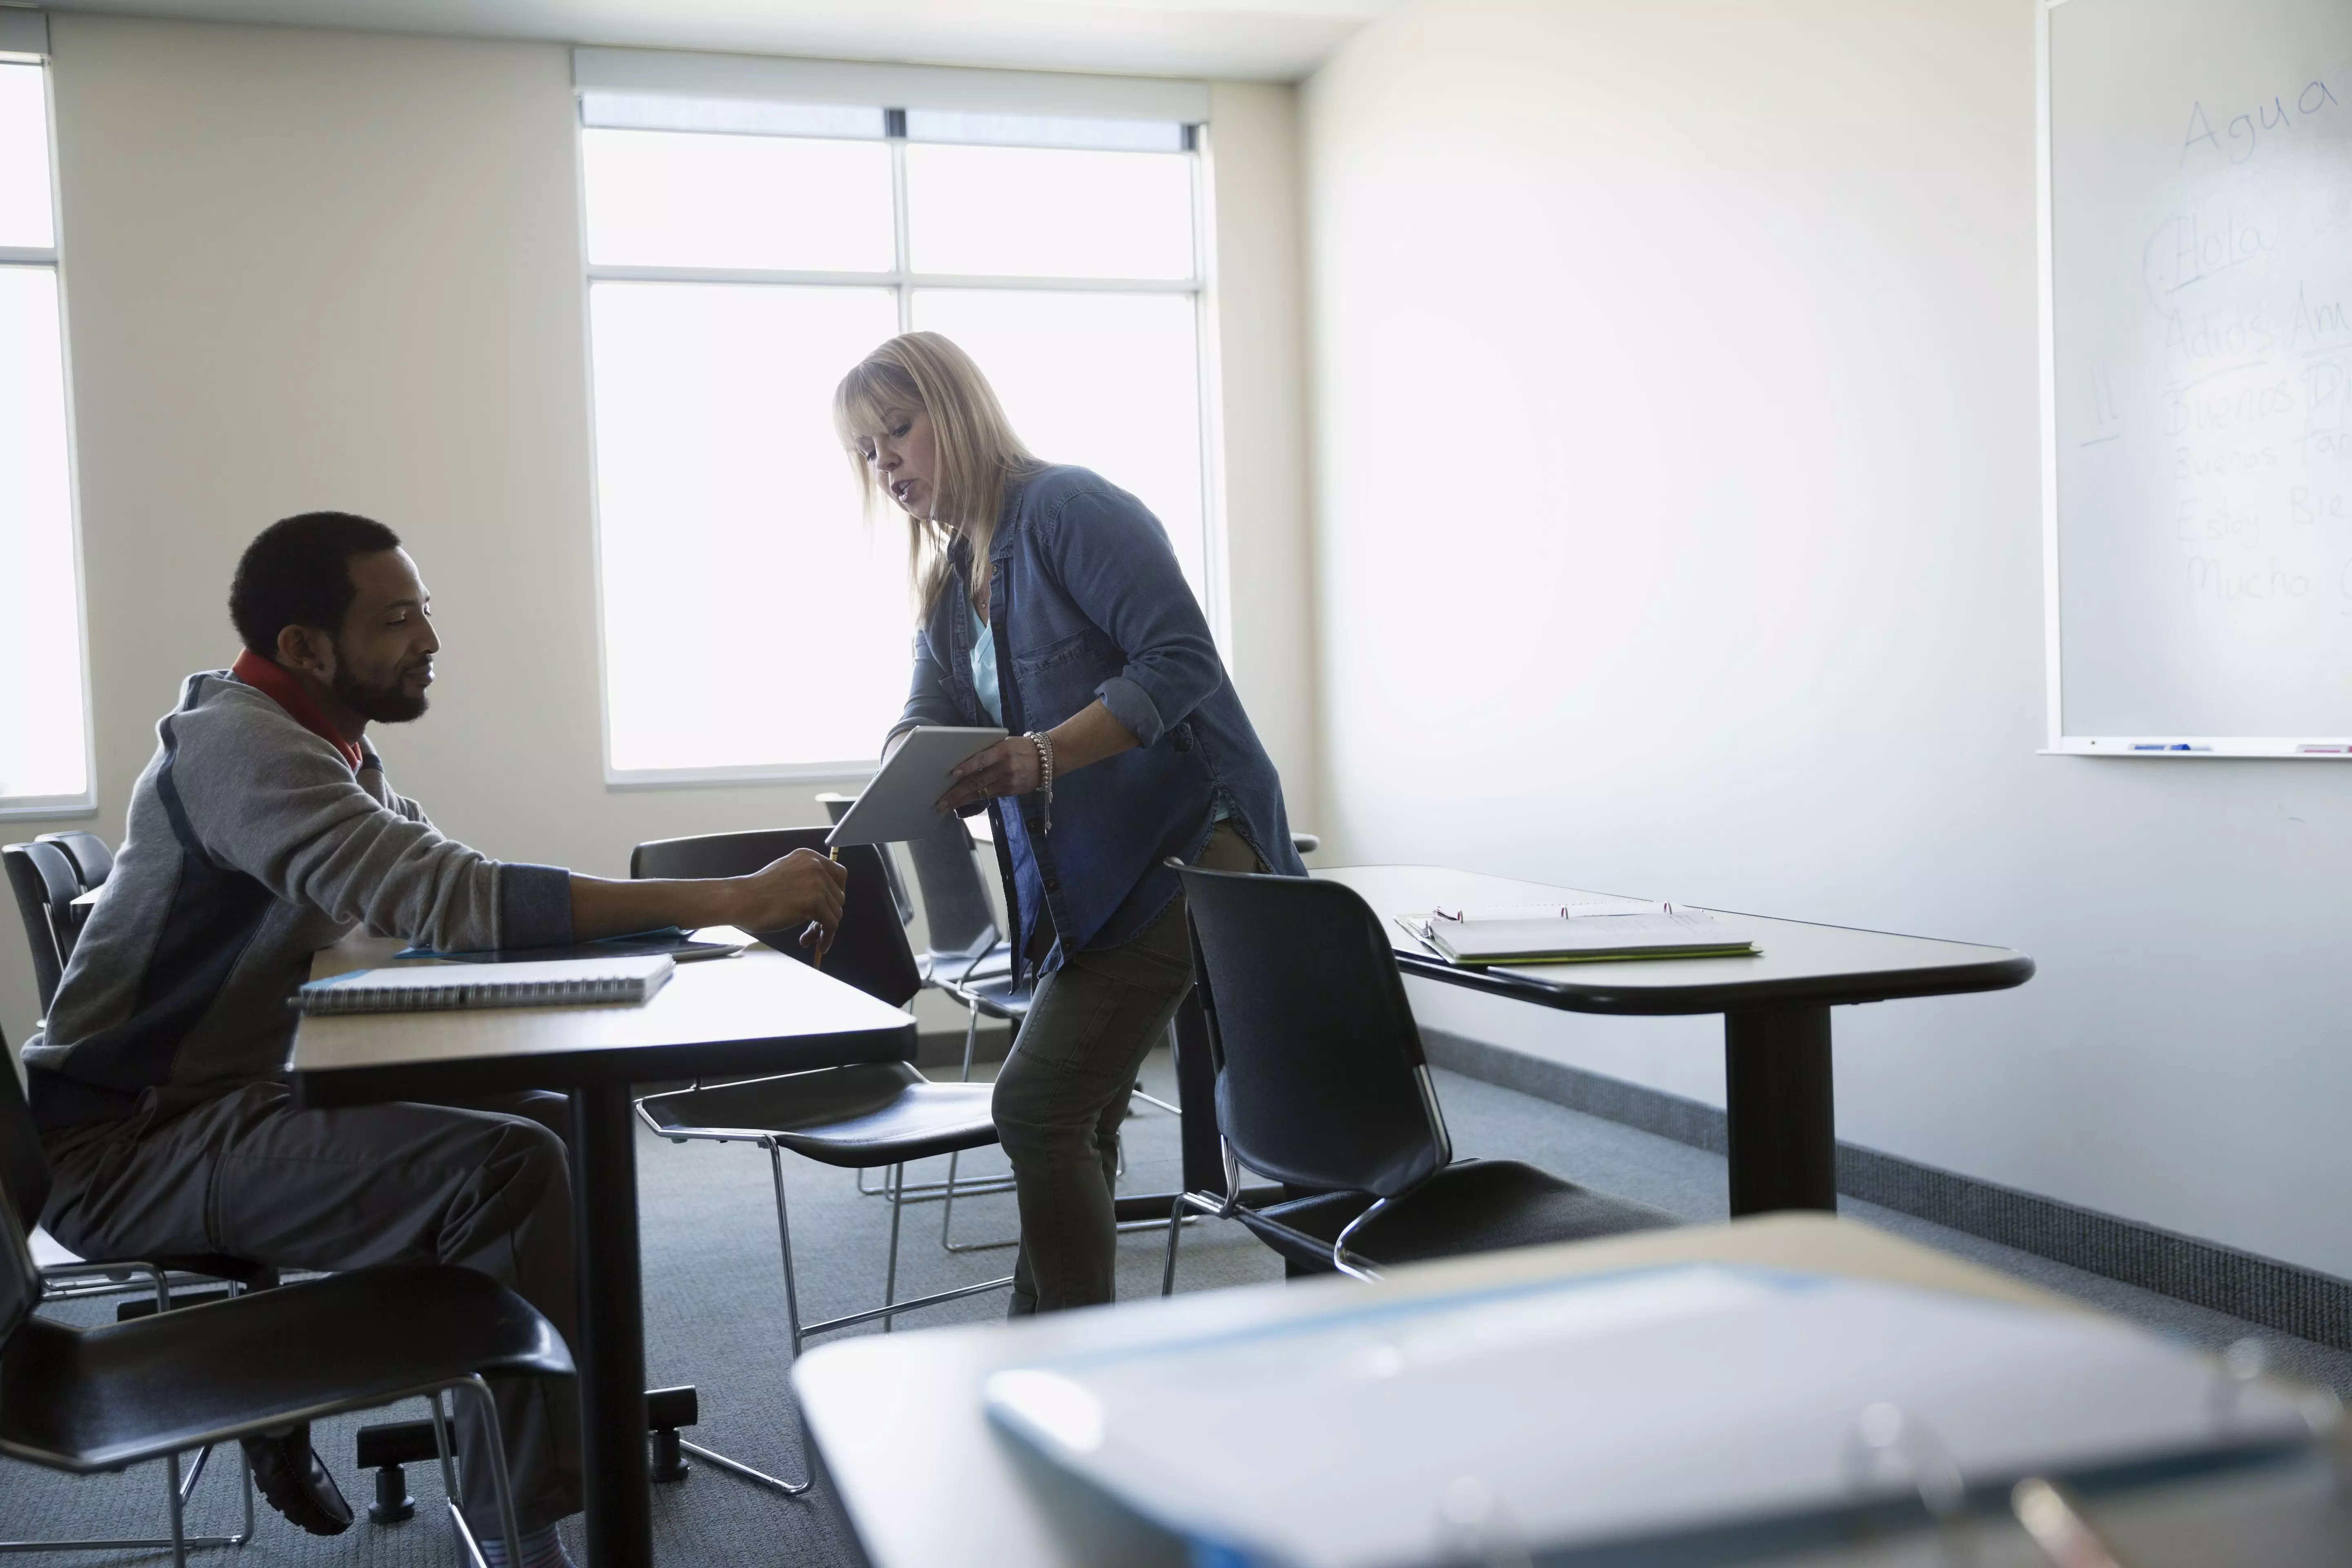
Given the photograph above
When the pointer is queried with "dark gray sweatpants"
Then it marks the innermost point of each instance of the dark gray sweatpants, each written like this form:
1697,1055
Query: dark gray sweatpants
248,1176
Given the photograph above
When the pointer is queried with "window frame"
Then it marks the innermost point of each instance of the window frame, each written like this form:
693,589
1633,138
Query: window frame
51,259
903,283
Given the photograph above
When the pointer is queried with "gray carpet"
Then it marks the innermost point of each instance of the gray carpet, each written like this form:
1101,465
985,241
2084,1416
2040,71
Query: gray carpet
714,1299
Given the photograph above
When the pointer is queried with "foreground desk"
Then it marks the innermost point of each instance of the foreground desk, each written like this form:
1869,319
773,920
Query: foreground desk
1777,1098
928,1483
761,1013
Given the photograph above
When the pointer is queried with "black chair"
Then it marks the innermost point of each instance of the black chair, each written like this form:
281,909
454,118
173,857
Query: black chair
25,1183
46,884
837,806
93,861
1321,1085
869,1116
92,1400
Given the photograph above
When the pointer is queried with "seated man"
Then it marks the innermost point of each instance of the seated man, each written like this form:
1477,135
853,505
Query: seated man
263,831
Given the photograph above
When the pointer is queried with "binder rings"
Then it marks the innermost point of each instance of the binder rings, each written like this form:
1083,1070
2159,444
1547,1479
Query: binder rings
428,987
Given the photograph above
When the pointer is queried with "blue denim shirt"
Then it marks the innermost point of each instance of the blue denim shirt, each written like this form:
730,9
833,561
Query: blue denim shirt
1085,601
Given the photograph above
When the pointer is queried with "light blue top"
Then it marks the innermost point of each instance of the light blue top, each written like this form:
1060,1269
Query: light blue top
983,668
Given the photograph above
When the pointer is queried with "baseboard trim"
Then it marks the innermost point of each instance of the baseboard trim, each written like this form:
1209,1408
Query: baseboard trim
2283,1296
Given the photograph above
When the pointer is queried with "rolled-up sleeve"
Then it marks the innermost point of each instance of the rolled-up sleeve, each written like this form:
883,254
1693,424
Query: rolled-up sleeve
534,905
1116,565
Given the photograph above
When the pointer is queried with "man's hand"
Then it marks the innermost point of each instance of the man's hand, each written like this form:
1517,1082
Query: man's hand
802,888
1012,766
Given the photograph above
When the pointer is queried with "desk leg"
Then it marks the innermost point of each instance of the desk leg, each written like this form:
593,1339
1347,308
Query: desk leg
1783,1118
612,1354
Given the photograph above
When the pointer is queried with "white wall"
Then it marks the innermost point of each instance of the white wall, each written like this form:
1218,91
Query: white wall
310,268
1260,350
1678,535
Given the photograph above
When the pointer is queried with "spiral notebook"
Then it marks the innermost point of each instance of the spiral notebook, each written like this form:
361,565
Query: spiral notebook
564,982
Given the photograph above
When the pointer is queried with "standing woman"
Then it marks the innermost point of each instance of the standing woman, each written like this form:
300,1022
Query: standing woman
1052,605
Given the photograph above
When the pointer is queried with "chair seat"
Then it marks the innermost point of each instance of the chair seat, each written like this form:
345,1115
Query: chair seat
49,1253
993,964
991,998
1473,1205
99,1399
860,1116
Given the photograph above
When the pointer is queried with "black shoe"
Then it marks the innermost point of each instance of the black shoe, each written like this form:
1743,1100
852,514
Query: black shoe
297,1485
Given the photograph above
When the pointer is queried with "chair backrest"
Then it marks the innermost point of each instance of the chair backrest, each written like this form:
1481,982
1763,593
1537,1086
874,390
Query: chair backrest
956,911
20,1280
93,862
837,806
869,951
23,1170
1320,1077
43,877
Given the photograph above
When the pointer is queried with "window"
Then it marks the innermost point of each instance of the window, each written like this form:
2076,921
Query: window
742,256
45,767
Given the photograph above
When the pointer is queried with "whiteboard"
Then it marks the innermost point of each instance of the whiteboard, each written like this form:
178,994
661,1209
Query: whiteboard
2197,375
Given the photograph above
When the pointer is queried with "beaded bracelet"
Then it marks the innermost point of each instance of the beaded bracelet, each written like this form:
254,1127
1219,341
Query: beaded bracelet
1045,745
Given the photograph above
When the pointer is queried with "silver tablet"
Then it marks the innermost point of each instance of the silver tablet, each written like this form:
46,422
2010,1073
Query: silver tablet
902,803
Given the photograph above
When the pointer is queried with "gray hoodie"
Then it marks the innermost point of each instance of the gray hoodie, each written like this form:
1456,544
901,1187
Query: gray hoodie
250,845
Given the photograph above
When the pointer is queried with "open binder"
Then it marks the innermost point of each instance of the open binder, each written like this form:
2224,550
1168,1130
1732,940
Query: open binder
1589,932
1695,1414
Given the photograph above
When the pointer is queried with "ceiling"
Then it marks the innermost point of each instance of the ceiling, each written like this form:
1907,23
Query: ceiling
1266,40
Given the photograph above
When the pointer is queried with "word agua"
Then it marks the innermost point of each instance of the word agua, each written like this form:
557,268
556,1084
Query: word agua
2246,132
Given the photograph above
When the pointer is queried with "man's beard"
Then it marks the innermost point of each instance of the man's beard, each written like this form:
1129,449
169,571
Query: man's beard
388,704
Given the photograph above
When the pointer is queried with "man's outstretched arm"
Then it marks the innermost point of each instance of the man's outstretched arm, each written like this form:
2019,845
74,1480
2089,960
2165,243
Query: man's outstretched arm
802,888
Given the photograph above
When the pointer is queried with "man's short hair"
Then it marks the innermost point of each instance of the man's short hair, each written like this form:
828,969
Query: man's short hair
298,573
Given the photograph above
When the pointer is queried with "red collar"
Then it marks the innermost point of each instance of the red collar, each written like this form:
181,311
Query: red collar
274,680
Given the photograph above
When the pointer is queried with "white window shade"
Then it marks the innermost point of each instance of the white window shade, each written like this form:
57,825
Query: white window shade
730,116
24,33
754,78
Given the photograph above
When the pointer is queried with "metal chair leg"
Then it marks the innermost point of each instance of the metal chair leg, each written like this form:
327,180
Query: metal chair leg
897,1207
494,1443
792,1326
784,1240
179,1512
971,1040
990,1185
1154,1100
445,1449
797,1332
1175,1230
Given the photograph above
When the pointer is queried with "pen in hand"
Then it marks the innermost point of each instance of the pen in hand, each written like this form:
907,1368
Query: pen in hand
816,958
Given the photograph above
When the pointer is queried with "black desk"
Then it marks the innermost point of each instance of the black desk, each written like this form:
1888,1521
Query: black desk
761,1013
1776,1010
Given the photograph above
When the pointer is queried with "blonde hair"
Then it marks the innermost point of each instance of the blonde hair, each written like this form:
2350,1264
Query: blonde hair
977,451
